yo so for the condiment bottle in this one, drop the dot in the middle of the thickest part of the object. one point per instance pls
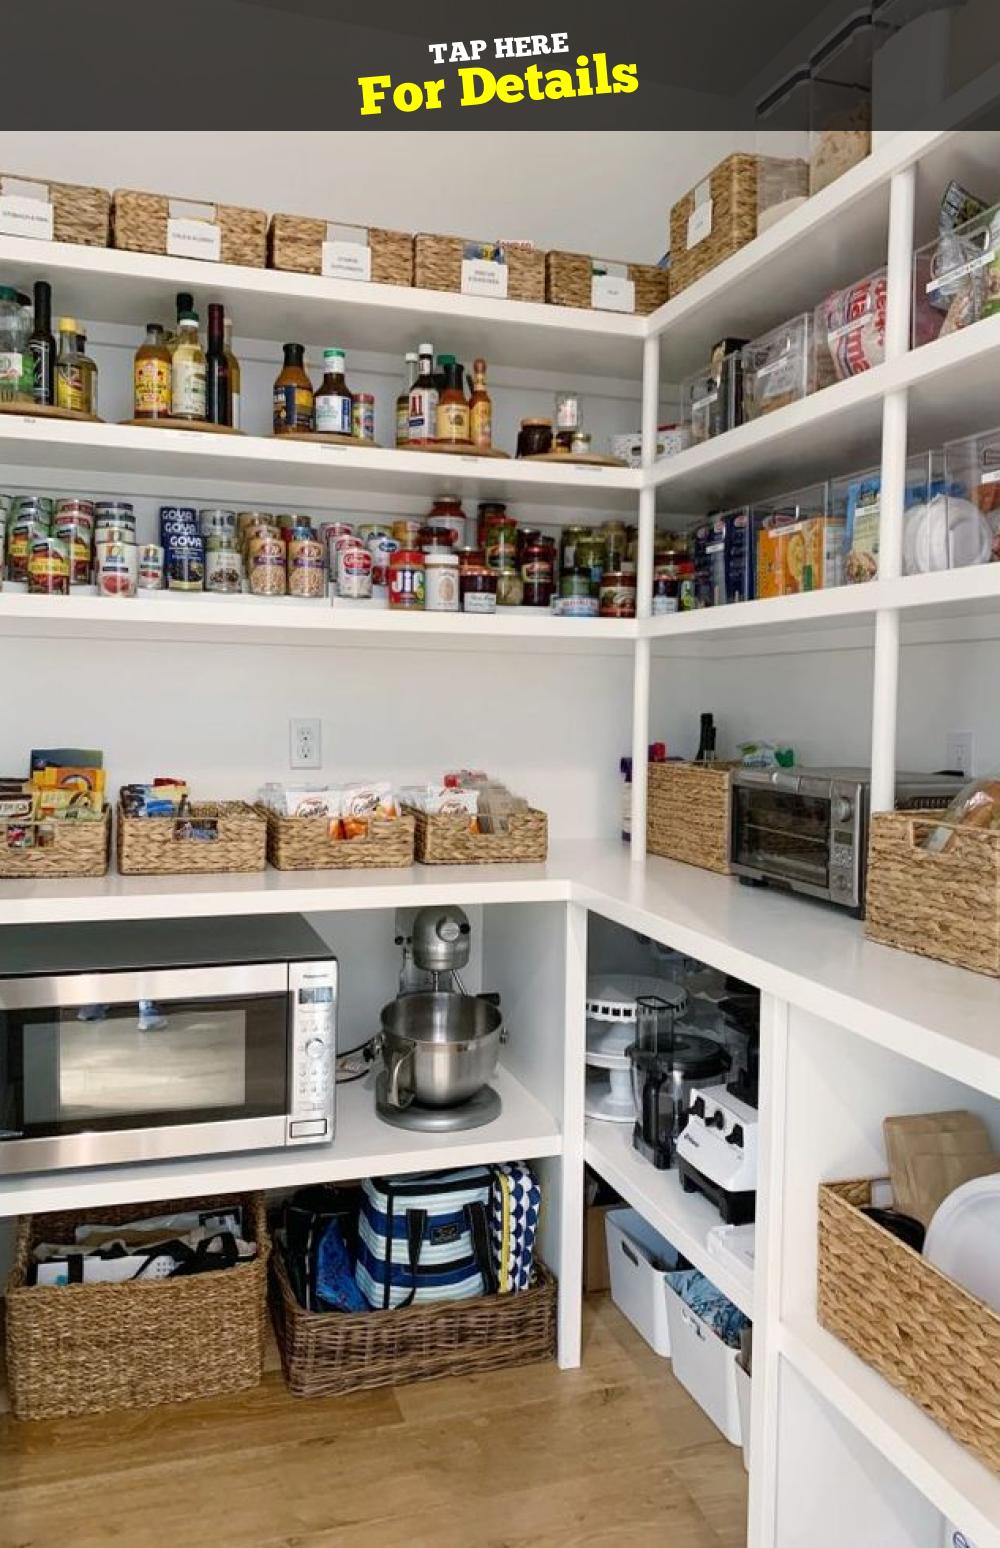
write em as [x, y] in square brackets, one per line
[480, 409]
[42, 346]
[294, 404]
[187, 371]
[403, 400]
[453, 409]
[234, 372]
[185, 304]
[16, 364]
[333, 400]
[76, 373]
[151, 376]
[423, 401]
[218, 409]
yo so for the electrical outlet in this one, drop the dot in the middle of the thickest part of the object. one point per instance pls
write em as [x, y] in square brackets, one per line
[305, 749]
[958, 751]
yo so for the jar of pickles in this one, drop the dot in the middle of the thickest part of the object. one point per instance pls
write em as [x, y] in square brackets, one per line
[538, 565]
[501, 542]
[592, 555]
[615, 538]
[571, 536]
[510, 587]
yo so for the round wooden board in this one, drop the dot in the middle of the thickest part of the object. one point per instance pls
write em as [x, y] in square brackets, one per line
[47, 411]
[328, 438]
[465, 450]
[182, 424]
[584, 459]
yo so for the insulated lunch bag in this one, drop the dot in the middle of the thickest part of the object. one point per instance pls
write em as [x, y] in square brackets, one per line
[425, 1238]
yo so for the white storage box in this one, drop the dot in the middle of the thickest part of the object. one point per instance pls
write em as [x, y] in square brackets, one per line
[953, 1538]
[639, 1260]
[704, 1365]
[743, 1389]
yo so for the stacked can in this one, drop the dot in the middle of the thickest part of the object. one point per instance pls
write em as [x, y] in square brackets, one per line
[183, 548]
[73, 524]
[223, 563]
[116, 557]
[28, 520]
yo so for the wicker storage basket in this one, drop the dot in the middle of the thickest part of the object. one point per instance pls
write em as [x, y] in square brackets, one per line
[296, 242]
[437, 265]
[79, 213]
[86, 1349]
[303, 844]
[324, 1354]
[926, 1335]
[688, 810]
[944, 905]
[139, 224]
[156, 846]
[732, 188]
[448, 840]
[76, 849]
[569, 276]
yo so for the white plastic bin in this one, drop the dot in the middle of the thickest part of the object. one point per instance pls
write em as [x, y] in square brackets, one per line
[743, 1390]
[639, 1260]
[704, 1365]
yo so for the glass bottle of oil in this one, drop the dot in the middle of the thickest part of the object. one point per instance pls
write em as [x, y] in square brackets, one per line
[188, 372]
[76, 373]
[234, 374]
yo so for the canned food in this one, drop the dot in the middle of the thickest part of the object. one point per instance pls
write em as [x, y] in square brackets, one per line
[369, 529]
[48, 567]
[150, 567]
[617, 597]
[23, 532]
[306, 570]
[578, 607]
[223, 570]
[407, 578]
[213, 520]
[80, 510]
[186, 569]
[78, 536]
[407, 533]
[363, 416]
[575, 583]
[116, 568]
[266, 564]
[354, 571]
[40, 508]
[381, 546]
[122, 514]
[245, 520]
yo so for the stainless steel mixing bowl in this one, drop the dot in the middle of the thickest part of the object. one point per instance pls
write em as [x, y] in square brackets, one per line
[439, 1049]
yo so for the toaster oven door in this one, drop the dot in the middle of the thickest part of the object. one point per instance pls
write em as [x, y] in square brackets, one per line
[783, 836]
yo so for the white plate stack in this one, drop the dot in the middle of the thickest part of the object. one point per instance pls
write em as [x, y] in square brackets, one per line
[611, 1029]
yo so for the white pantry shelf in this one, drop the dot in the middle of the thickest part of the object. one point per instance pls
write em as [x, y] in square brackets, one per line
[947, 1474]
[363, 1146]
[685, 1219]
[103, 284]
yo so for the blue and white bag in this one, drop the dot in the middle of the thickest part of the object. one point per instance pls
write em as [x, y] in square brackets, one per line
[515, 1206]
[425, 1238]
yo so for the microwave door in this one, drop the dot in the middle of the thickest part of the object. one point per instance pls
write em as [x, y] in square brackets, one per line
[784, 836]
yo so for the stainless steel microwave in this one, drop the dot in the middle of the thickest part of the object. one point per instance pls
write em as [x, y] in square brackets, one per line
[807, 829]
[154, 1039]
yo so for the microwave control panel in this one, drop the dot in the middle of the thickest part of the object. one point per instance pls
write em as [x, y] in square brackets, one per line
[312, 990]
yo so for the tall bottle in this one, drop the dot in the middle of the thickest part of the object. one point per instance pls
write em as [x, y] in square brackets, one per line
[234, 373]
[294, 402]
[151, 389]
[42, 346]
[424, 395]
[185, 304]
[76, 373]
[403, 401]
[706, 741]
[480, 408]
[218, 408]
[453, 407]
[188, 371]
[334, 400]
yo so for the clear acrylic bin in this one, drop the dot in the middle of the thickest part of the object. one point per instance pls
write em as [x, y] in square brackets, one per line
[782, 185]
[962, 525]
[956, 278]
[723, 559]
[850, 327]
[712, 399]
[855, 498]
[798, 545]
[840, 100]
[782, 366]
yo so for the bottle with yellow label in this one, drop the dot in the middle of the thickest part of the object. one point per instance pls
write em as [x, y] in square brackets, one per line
[480, 408]
[188, 372]
[76, 373]
[294, 401]
[151, 376]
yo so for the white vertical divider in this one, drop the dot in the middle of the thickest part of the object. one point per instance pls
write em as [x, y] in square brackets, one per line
[644, 592]
[885, 686]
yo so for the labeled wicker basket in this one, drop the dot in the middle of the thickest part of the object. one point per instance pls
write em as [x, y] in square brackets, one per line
[943, 904]
[931, 1339]
[688, 811]
[88, 1349]
[569, 282]
[732, 189]
[437, 265]
[79, 213]
[449, 840]
[324, 1354]
[139, 225]
[60, 847]
[295, 242]
[304, 844]
[164, 846]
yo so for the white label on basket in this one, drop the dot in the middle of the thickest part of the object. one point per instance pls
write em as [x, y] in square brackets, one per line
[194, 239]
[699, 224]
[26, 217]
[480, 277]
[956, 274]
[612, 293]
[346, 260]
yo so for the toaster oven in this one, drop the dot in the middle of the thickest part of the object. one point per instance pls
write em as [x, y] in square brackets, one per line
[807, 829]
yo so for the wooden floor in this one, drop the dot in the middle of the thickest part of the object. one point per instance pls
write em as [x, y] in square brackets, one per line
[615, 1455]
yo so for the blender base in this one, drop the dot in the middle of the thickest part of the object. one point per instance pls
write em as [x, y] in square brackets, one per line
[479, 1109]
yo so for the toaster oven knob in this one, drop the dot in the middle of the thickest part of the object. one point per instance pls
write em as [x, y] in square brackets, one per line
[843, 811]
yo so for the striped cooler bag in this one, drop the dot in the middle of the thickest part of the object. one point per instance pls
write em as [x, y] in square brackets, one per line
[425, 1238]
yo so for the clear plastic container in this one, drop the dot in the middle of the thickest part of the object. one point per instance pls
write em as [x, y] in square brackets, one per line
[782, 147]
[781, 367]
[956, 278]
[856, 499]
[17, 375]
[840, 100]
[798, 545]
[712, 399]
[961, 525]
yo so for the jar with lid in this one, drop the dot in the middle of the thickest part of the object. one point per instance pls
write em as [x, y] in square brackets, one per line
[436, 537]
[580, 443]
[485, 511]
[592, 555]
[510, 587]
[17, 368]
[442, 593]
[666, 561]
[407, 579]
[570, 537]
[471, 559]
[479, 590]
[501, 543]
[446, 511]
[569, 412]
[538, 564]
[575, 582]
[534, 439]
[617, 595]
[615, 544]
[407, 532]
